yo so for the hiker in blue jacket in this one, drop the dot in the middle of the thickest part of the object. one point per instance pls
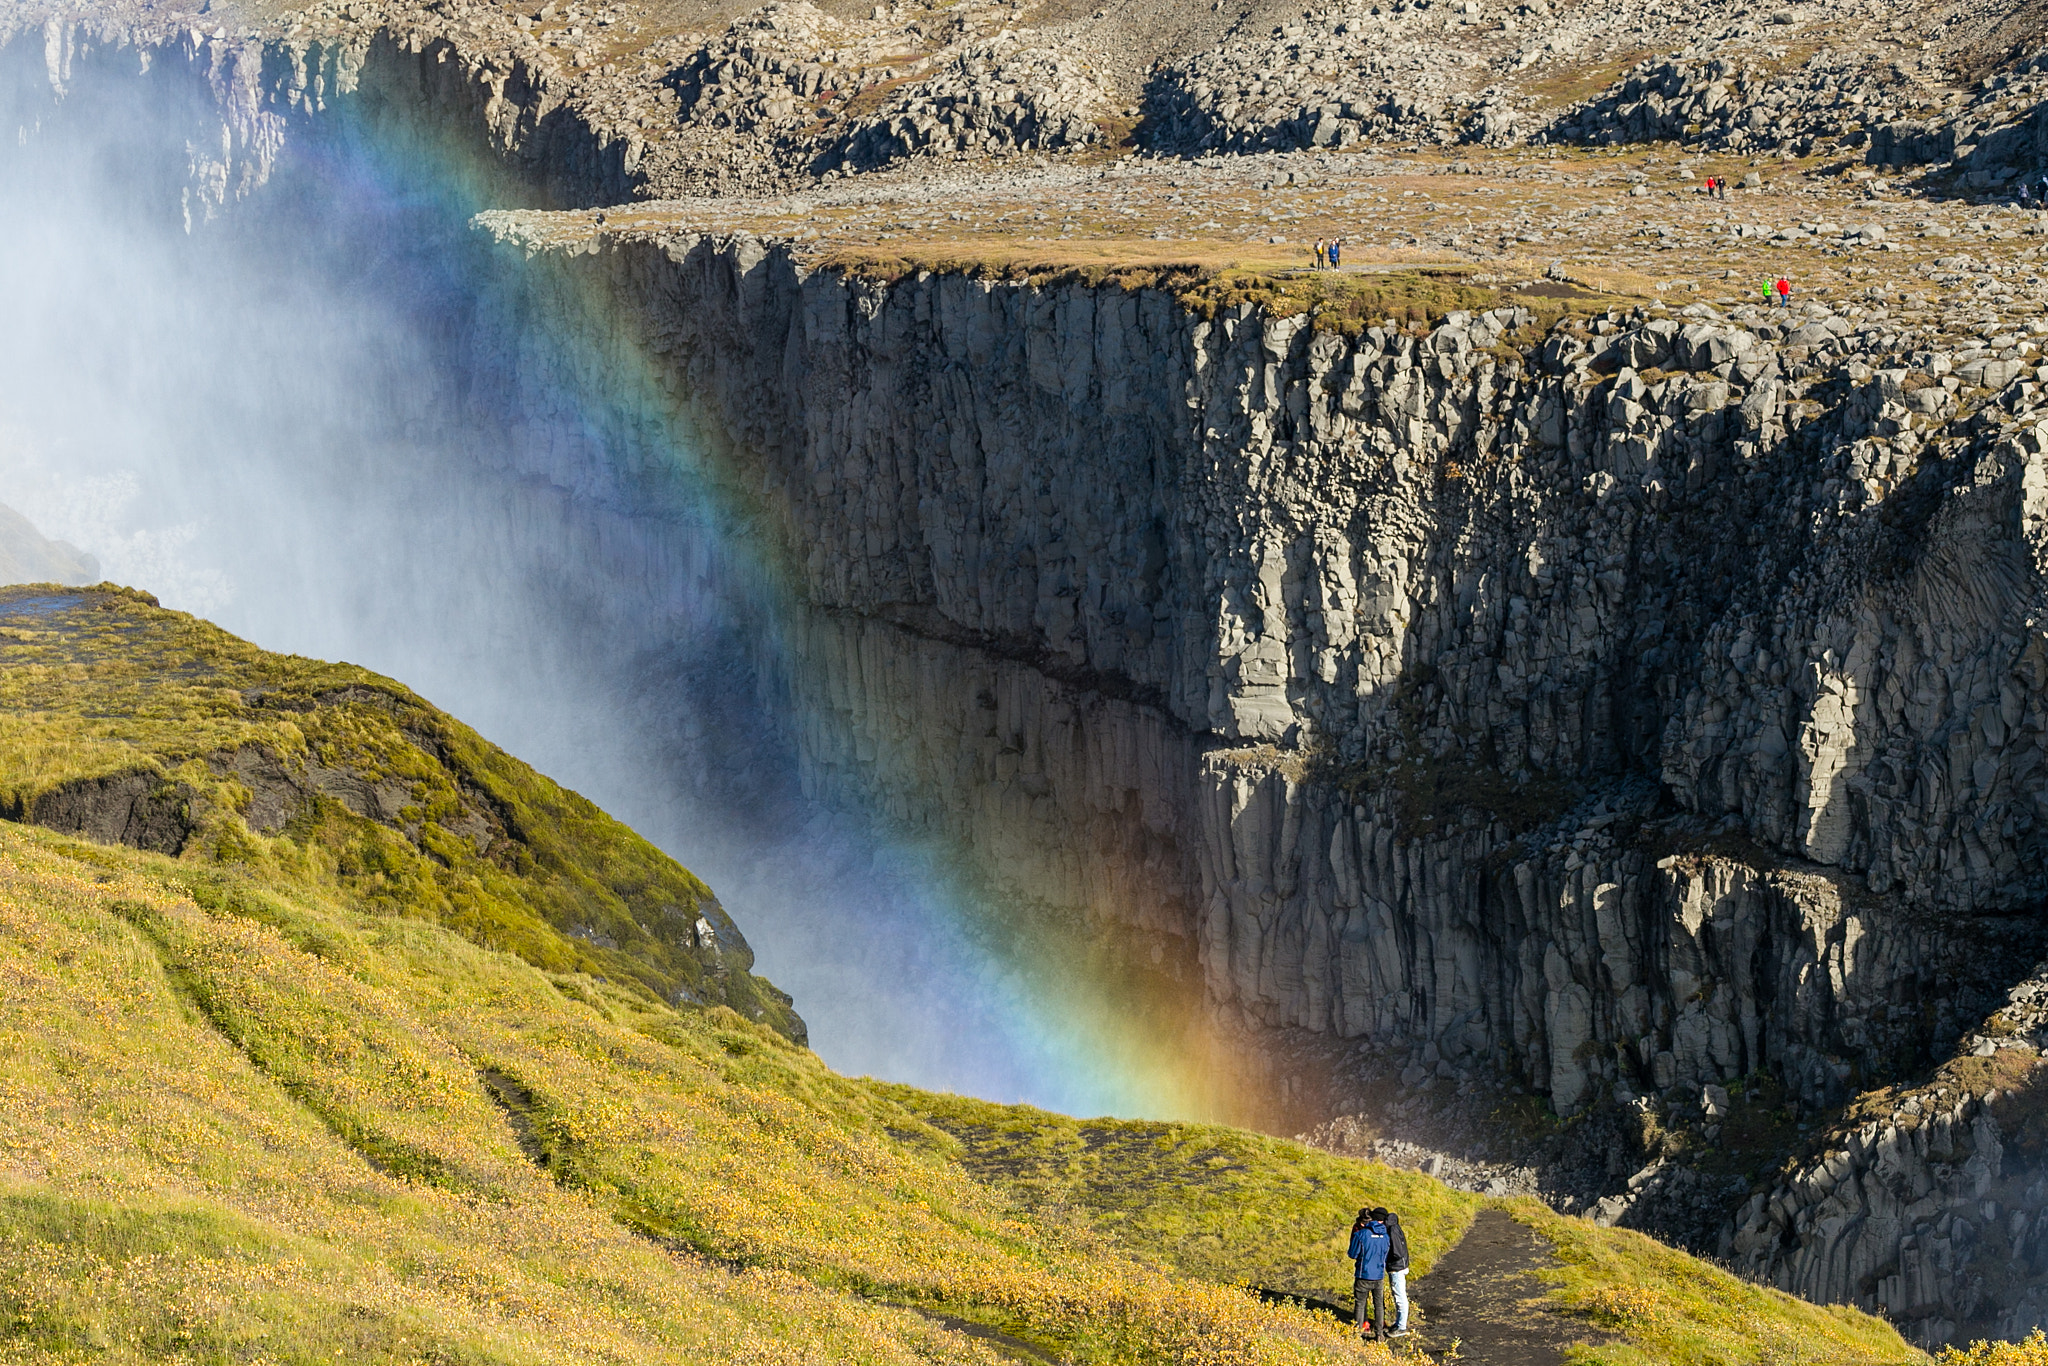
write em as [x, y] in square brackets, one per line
[1370, 1244]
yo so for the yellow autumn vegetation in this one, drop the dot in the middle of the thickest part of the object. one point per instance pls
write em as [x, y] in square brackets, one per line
[2029, 1351]
[258, 1106]
[282, 1129]
[1652, 1305]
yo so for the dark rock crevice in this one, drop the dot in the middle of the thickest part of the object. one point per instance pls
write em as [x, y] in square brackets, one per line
[141, 809]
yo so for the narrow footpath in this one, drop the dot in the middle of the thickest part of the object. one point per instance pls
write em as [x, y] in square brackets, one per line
[1476, 1297]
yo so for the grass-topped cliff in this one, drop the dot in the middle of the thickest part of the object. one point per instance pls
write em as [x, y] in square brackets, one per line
[336, 1081]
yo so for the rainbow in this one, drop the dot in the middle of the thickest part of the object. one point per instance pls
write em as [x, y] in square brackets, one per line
[586, 504]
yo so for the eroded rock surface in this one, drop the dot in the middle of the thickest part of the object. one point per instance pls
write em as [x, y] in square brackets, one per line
[1616, 712]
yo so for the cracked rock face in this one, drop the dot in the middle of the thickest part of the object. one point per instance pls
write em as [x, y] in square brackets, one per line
[1354, 578]
[1622, 710]
[1926, 1202]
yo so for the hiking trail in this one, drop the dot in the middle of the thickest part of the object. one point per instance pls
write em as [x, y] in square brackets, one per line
[1476, 1296]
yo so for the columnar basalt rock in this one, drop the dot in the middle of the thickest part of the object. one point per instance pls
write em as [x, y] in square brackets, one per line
[1614, 713]
[1563, 706]
[1924, 1203]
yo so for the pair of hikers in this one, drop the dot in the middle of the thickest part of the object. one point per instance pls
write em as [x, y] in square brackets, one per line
[1778, 292]
[1380, 1249]
[1331, 255]
[1717, 188]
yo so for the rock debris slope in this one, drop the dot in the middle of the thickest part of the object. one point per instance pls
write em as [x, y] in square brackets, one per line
[600, 102]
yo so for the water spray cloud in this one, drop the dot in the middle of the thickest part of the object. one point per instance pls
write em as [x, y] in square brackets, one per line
[340, 422]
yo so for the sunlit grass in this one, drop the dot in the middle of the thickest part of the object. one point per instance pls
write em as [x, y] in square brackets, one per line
[1659, 1306]
[269, 1123]
[2032, 1351]
[96, 684]
[299, 1097]
[1198, 1200]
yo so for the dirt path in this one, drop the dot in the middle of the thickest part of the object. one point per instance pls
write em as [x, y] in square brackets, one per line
[1002, 1344]
[1474, 1297]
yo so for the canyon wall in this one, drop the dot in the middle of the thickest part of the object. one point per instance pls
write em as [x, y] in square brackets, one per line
[1450, 691]
[1619, 710]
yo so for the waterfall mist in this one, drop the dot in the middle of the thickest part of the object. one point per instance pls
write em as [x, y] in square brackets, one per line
[324, 420]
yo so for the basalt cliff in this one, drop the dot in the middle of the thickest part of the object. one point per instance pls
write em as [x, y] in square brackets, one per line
[1615, 713]
[1625, 722]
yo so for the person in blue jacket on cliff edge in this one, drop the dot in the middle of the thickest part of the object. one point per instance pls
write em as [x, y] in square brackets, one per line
[1370, 1244]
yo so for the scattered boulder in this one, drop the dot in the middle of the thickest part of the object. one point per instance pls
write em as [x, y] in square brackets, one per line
[997, 97]
[1723, 105]
[1334, 79]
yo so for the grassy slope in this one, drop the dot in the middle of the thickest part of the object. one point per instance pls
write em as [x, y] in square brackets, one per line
[254, 1106]
[1201, 1200]
[1665, 1308]
[294, 1123]
[1212, 1202]
[98, 683]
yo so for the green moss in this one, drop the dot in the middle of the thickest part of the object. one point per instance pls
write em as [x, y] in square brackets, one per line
[393, 799]
[1195, 1199]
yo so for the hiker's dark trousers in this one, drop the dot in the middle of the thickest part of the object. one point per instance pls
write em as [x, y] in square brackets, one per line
[1377, 1291]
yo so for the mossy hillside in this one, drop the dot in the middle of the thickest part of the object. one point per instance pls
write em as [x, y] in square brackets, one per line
[328, 1132]
[253, 1105]
[368, 784]
[1658, 1306]
[1197, 1200]
[1206, 1201]
[296, 1127]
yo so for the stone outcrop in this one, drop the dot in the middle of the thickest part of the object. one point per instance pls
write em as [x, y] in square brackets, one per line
[1994, 135]
[1721, 104]
[1332, 79]
[1991, 134]
[143, 809]
[991, 98]
[1925, 1203]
